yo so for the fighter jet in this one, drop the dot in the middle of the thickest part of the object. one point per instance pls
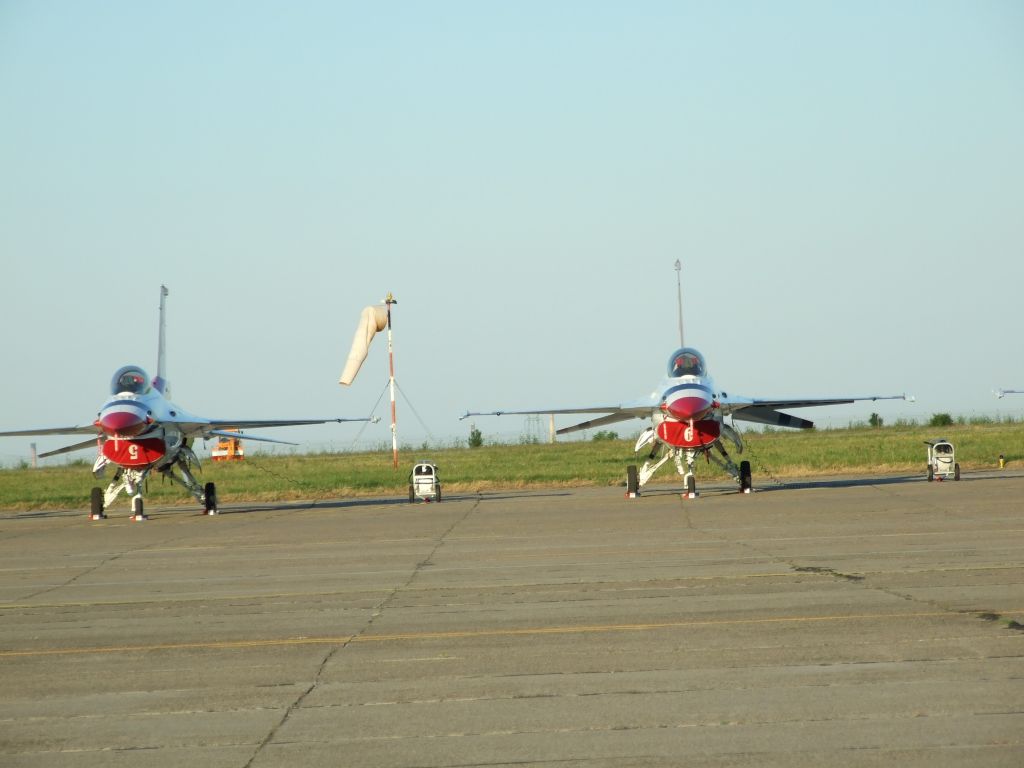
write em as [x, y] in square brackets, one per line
[139, 430]
[687, 412]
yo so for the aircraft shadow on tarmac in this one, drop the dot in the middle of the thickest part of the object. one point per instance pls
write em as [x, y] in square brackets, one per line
[842, 482]
[858, 482]
[242, 508]
[710, 489]
[724, 489]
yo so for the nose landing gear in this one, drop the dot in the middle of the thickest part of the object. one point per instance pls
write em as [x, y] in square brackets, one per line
[138, 515]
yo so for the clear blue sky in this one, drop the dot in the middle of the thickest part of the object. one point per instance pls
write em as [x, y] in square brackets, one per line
[843, 182]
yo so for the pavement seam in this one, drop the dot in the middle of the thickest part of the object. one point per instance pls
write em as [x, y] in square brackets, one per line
[863, 581]
[92, 569]
[377, 612]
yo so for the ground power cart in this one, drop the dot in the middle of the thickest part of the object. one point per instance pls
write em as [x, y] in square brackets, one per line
[941, 460]
[424, 483]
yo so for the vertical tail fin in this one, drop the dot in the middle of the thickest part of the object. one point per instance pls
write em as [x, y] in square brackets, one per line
[679, 293]
[160, 382]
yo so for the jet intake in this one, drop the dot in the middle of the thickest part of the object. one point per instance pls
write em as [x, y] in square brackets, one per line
[134, 453]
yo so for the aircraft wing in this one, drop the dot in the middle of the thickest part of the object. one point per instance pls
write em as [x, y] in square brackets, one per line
[86, 430]
[763, 411]
[207, 427]
[77, 430]
[259, 424]
[70, 448]
[243, 436]
[612, 414]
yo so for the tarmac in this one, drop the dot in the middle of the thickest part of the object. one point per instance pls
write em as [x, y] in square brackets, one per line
[834, 622]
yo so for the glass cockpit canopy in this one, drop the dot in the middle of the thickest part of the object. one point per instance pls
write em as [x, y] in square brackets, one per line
[686, 361]
[130, 379]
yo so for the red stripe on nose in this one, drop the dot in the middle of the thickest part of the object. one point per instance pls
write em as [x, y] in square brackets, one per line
[124, 423]
[687, 408]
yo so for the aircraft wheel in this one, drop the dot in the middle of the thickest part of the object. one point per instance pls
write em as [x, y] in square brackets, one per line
[412, 494]
[691, 485]
[632, 481]
[210, 498]
[931, 473]
[96, 504]
[956, 471]
[746, 481]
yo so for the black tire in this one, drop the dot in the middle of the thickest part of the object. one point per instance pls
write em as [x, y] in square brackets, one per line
[632, 480]
[746, 479]
[210, 498]
[956, 471]
[931, 473]
[412, 494]
[691, 485]
[96, 502]
[437, 498]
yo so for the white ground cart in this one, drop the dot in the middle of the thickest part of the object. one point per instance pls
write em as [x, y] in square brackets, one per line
[424, 482]
[941, 460]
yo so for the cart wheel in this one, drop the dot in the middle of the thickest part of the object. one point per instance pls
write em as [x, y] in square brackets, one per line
[632, 481]
[412, 494]
[931, 473]
[746, 482]
[956, 471]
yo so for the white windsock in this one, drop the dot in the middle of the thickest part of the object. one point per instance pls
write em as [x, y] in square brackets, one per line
[372, 320]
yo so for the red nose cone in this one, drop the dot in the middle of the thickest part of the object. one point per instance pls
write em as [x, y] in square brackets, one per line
[125, 423]
[687, 408]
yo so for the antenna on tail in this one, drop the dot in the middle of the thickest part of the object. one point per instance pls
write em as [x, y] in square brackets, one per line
[679, 290]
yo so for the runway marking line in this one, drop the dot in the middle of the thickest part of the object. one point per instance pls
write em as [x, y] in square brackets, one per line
[463, 634]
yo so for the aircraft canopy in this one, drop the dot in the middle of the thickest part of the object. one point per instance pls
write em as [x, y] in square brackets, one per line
[129, 379]
[686, 361]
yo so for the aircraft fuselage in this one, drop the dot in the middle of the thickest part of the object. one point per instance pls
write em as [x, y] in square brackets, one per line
[138, 429]
[687, 413]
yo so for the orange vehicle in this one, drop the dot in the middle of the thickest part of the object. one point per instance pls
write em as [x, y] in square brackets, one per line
[228, 449]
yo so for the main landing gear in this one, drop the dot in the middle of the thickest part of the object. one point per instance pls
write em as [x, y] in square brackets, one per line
[661, 453]
[130, 481]
[96, 504]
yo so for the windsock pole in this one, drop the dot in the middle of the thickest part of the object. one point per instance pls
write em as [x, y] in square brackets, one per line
[391, 363]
